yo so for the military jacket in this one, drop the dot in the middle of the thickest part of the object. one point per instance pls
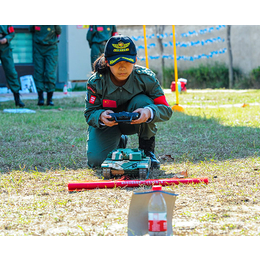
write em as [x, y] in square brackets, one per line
[100, 33]
[6, 31]
[45, 34]
[102, 95]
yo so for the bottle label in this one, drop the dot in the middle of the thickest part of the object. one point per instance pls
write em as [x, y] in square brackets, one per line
[157, 222]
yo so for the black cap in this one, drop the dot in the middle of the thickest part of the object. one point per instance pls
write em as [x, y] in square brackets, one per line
[120, 48]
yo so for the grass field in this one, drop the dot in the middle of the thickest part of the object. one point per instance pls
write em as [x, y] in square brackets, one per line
[42, 152]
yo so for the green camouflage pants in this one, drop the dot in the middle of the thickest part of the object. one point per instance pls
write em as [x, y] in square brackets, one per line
[101, 141]
[6, 56]
[45, 65]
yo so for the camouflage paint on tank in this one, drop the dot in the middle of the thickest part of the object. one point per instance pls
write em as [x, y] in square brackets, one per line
[127, 159]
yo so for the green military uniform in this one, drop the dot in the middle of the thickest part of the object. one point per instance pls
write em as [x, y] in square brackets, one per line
[97, 37]
[6, 56]
[45, 47]
[142, 89]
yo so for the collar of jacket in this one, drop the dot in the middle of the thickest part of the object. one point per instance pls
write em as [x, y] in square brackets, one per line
[129, 87]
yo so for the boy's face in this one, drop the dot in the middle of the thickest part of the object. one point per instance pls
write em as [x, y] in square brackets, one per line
[122, 70]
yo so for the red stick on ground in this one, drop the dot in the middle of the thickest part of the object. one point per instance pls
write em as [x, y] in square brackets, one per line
[109, 184]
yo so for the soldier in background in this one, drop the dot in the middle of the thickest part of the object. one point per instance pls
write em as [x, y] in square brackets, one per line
[6, 55]
[97, 36]
[45, 55]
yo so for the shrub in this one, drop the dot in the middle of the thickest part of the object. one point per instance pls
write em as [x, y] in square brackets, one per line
[255, 74]
[204, 76]
[254, 78]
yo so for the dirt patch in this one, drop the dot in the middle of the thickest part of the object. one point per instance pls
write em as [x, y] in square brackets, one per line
[38, 203]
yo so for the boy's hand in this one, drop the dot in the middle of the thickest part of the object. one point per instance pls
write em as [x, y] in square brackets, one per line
[104, 116]
[145, 114]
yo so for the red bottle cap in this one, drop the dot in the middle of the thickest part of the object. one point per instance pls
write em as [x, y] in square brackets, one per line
[157, 187]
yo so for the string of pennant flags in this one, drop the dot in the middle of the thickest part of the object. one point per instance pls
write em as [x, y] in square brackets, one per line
[184, 44]
[189, 33]
[206, 30]
[187, 58]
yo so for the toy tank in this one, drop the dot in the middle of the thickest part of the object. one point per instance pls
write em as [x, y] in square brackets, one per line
[132, 162]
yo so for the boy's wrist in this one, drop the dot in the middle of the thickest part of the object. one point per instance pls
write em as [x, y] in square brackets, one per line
[152, 115]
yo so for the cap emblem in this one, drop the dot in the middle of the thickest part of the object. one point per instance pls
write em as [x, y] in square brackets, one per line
[121, 47]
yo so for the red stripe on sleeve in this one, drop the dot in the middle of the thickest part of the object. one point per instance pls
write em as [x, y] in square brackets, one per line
[161, 101]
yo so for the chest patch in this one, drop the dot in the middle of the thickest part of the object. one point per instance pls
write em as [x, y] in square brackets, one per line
[100, 29]
[109, 103]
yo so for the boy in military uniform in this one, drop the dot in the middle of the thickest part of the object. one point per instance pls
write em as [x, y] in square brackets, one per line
[119, 85]
[6, 35]
[45, 55]
[97, 37]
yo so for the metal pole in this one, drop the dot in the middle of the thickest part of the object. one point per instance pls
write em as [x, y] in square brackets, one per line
[145, 47]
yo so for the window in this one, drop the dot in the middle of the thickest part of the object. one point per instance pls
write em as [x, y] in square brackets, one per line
[22, 48]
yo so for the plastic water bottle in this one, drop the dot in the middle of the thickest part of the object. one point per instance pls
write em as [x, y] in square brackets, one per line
[65, 90]
[157, 214]
[69, 86]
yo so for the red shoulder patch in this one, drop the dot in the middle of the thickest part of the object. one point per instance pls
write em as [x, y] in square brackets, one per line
[92, 99]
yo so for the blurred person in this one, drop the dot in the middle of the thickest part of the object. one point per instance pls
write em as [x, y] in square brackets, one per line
[97, 36]
[7, 33]
[45, 55]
